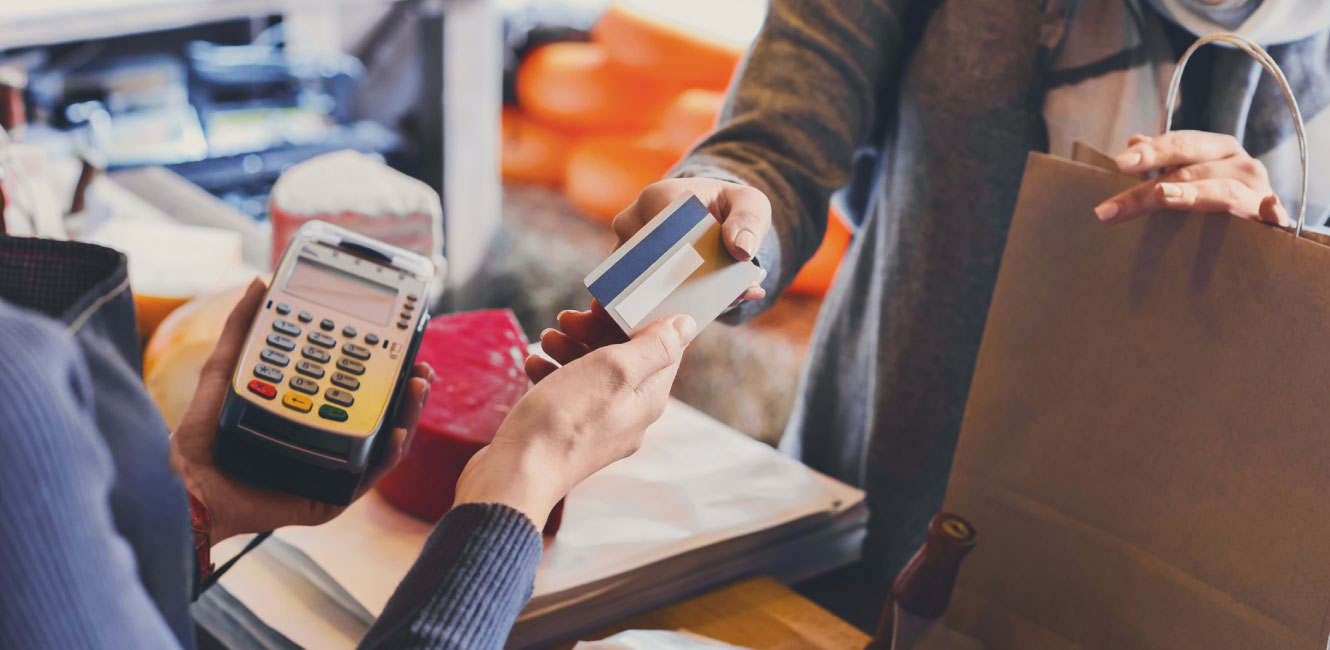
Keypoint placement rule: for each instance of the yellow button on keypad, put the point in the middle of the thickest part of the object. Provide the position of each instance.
(298, 402)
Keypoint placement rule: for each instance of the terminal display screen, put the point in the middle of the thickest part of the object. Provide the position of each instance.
(346, 292)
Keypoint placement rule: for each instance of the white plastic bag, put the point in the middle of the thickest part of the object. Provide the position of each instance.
(655, 640)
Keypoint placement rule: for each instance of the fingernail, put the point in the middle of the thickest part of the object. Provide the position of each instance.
(746, 241)
(545, 331)
(685, 326)
(1128, 159)
(1170, 190)
(1106, 210)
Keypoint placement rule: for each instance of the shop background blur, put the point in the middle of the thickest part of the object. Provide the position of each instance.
(160, 127)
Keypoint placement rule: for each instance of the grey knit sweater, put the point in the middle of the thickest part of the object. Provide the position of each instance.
(925, 110)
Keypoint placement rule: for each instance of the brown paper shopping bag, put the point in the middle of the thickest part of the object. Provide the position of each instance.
(1146, 448)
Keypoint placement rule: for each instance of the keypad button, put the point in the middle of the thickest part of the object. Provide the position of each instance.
(409, 306)
(355, 350)
(316, 354)
(372, 338)
(351, 365)
(345, 381)
(264, 371)
(266, 391)
(319, 338)
(406, 315)
(330, 412)
(401, 325)
(395, 350)
(304, 385)
(309, 369)
(338, 396)
(411, 297)
(305, 317)
(286, 327)
(283, 308)
(297, 402)
(274, 358)
(327, 325)
(349, 332)
(281, 342)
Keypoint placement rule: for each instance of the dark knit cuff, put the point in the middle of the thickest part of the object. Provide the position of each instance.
(466, 589)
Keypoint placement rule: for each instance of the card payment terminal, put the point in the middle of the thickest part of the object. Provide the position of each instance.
(315, 393)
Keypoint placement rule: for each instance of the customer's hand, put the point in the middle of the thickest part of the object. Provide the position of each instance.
(576, 420)
(579, 333)
(744, 212)
(238, 508)
(1198, 172)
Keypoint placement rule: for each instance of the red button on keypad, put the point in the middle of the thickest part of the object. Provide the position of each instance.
(266, 391)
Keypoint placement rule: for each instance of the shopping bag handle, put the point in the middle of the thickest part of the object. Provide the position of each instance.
(1258, 53)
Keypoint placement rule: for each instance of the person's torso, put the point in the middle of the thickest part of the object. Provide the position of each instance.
(84, 290)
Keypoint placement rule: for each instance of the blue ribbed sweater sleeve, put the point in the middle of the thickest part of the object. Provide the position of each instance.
(468, 585)
(68, 579)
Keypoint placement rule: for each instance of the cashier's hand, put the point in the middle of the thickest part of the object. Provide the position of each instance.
(1198, 172)
(576, 420)
(744, 212)
(237, 508)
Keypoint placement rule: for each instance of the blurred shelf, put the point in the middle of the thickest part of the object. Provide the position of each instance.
(59, 21)
(460, 45)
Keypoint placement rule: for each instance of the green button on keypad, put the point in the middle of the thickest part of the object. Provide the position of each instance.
(330, 412)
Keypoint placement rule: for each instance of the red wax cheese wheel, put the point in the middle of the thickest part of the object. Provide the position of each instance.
(478, 362)
(532, 152)
(666, 51)
(692, 115)
(605, 174)
(576, 86)
(359, 193)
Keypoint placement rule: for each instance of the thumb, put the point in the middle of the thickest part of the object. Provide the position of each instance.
(1272, 211)
(206, 405)
(745, 218)
(658, 347)
(223, 358)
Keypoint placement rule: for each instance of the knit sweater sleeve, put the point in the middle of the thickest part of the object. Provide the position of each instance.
(466, 589)
(806, 98)
(69, 579)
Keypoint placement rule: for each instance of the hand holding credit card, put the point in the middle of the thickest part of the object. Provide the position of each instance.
(675, 264)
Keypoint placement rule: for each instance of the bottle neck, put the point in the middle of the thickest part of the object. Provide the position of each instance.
(924, 586)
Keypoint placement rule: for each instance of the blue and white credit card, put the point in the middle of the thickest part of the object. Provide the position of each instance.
(676, 264)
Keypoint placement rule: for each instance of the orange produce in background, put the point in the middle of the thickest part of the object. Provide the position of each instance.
(605, 173)
(174, 356)
(816, 276)
(692, 115)
(532, 152)
(150, 310)
(666, 50)
(576, 86)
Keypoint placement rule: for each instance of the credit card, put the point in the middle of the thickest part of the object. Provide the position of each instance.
(676, 264)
